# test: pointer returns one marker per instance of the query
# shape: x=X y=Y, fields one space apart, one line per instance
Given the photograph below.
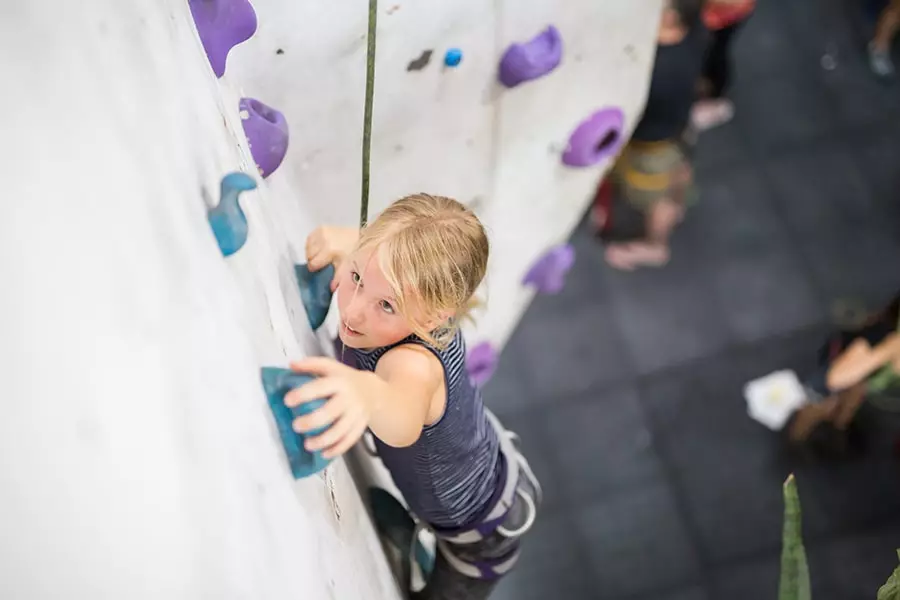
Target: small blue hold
x=228 y=221
x=453 y=57
x=278 y=382
x=315 y=291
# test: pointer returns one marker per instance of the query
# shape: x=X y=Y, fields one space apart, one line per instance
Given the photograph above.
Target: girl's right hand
x=329 y=246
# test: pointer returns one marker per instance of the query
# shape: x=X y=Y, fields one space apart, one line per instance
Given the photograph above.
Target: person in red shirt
x=724 y=18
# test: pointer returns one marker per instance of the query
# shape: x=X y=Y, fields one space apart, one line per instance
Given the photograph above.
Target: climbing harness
x=493 y=523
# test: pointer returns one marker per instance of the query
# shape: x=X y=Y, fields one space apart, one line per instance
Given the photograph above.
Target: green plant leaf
x=891 y=589
x=794 y=584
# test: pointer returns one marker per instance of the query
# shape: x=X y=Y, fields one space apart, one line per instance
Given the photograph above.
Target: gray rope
x=367 y=117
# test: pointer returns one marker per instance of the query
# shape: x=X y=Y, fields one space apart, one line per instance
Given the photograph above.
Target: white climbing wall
x=449 y=131
x=139 y=456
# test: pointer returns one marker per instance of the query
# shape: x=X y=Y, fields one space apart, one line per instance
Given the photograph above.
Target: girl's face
x=368 y=308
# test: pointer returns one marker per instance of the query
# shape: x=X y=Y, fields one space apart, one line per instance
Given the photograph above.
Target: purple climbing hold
x=267 y=132
x=222 y=25
x=532 y=59
x=596 y=138
x=481 y=363
x=548 y=273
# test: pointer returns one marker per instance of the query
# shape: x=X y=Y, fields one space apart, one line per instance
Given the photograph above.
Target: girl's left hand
x=346 y=412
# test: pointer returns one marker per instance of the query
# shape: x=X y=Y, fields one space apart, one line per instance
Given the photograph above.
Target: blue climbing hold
x=228 y=221
x=453 y=57
x=278 y=382
x=315 y=291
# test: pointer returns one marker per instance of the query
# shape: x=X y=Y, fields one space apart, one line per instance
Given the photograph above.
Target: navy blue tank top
x=452 y=476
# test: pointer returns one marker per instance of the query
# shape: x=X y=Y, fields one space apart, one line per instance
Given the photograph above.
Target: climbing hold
x=421 y=62
x=532 y=59
x=278 y=382
x=222 y=25
x=453 y=57
x=315 y=291
x=595 y=138
x=548 y=273
x=395 y=524
x=481 y=363
x=228 y=221
x=267 y=132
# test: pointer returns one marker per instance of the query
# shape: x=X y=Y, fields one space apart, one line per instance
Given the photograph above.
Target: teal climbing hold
x=276 y=383
x=227 y=219
x=315 y=291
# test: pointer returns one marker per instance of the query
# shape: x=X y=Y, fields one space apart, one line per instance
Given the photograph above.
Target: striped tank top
x=453 y=475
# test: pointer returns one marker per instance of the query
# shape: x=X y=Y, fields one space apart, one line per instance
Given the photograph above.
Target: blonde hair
x=433 y=252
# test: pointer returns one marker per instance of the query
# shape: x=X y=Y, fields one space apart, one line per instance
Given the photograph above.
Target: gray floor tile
x=694 y=592
x=766 y=45
x=821 y=190
x=550 y=566
x=876 y=152
x=855 y=264
x=859 y=97
x=758 y=580
x=767 y=294
x=727 y=467
x=719 y=148
x=667 y=321
x=861 y=489
x=637 y=544
x=601 y=445
x=538 y=448
x=735 y=216
x=783 y=112
x=569 y=352
x=858 y=564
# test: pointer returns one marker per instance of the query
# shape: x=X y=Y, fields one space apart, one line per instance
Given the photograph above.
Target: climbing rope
x=367 y=117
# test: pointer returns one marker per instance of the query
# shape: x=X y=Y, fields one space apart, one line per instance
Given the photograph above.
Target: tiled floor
x=627 y=387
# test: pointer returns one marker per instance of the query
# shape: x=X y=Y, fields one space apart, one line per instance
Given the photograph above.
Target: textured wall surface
x=448 y=131
x=140 y=458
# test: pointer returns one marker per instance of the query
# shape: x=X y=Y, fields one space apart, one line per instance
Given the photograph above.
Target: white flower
x=772 y=399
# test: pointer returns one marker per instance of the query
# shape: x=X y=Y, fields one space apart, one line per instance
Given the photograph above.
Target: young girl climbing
x=404 y=283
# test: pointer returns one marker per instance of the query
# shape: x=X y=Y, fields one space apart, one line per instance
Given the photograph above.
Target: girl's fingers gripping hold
x=334 y=434
x=353 y=436
x=323 y=387
x=330 y=412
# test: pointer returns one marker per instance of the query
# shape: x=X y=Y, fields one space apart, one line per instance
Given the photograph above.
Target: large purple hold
x=595 y=138
x=222 y=25
x=267 y=131
x=533 y=59
x=481 y=363
x=548 y=273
